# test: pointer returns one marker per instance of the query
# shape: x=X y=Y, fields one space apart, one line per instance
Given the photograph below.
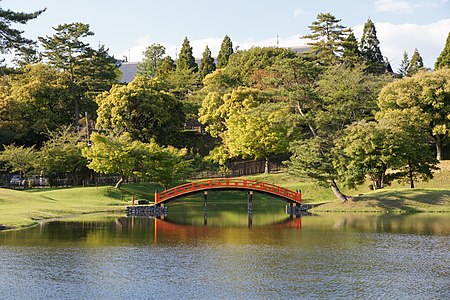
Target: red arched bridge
x=227 y=184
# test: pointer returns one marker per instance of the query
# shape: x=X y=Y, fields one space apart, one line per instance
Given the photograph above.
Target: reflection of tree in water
x=414 y=223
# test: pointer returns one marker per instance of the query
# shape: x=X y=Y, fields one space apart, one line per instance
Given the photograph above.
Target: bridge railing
x=224 y=183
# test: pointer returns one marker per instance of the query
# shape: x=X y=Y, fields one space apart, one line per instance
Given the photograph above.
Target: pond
x=230 y=257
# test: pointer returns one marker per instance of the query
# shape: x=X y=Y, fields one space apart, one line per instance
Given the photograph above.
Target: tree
x=370 y=49
x=153 y=58
x=166 y=68
x=18 y=158
x=427 y=91
x=351 y=55
x=416 y=63
x=411 y=157
x=143 y=108
x=207 y=64
x=327 y=38
x=257 y=133
x=33 y=102
x=226 y=50
x=60 y=156
x=217 y=109
x=11 y=38
x=404 y=65
x=86 y=69
x=362 y=151
x=186 y=59
x=444 y=58
x=125 y=157
x=343 y=96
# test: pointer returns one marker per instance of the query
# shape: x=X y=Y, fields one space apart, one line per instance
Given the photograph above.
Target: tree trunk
x=266 y=166
x=119 y=183
x=411 y=177
x=438 y=148
x=337 y=192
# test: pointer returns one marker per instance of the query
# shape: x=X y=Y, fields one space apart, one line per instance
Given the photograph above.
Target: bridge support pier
x=205 y=201
x=250 y=201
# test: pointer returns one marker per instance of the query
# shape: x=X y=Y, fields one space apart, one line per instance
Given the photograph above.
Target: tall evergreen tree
x=186 y=59
x=207 y=64
x=226 y=50
x=404 y=64
x=86 y=69
x=444 y=58
x=416 y=63
x=11 y=38
x=351 y=54
x=153 y=58
x=327 y=38
x=370 y=49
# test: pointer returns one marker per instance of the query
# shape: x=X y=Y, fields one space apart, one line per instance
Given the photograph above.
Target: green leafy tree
x=404 y=65
x=256 y=133
x=60 y=156
x=186 y=60
x=166 y=68
x=370 y=49
x=18 y=159
x=343 y=96
x=444 y=58
x=226 y=50
x=124 y=157
x=87 y=70
x=153 y=58
x=216 y=109
x=327 y=37
x=33 y=102
x=143 y=108
x=427 y=91
x=412 y=158
x=207 y=64
x=416 y=63
x=11 y=38
x=363 y=150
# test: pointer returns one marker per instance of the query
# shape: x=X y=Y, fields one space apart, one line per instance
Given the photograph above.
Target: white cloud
x=395 y=6
x=405 y=6
x=429 y=39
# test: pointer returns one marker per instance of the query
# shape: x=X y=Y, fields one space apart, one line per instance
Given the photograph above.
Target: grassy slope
x=24 y=208
x=431 y=196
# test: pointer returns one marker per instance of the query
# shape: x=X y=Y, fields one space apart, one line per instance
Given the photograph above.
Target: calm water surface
x=320 y=257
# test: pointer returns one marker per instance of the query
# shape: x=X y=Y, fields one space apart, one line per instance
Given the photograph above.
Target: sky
x=128 y=27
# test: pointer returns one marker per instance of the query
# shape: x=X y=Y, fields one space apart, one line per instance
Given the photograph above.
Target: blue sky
x=128 y=27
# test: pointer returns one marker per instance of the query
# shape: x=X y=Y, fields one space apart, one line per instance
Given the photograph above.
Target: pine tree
x=370 y=49
x=207 y=64
x=327 y=36
x=444 y=58
x=416 y=63
x=226 y=50
x=153 y=57
x=351 y=54
x=87 y=70
x=186 y=59
x=11 y=38
x=404 y=65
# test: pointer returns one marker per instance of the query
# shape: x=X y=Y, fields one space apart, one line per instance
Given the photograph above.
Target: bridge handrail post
x=157 y=197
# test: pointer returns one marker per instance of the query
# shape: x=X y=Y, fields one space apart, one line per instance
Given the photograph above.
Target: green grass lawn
x=19 y=208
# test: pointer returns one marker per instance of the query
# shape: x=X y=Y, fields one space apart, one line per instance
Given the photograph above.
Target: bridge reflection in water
x=176 y=230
